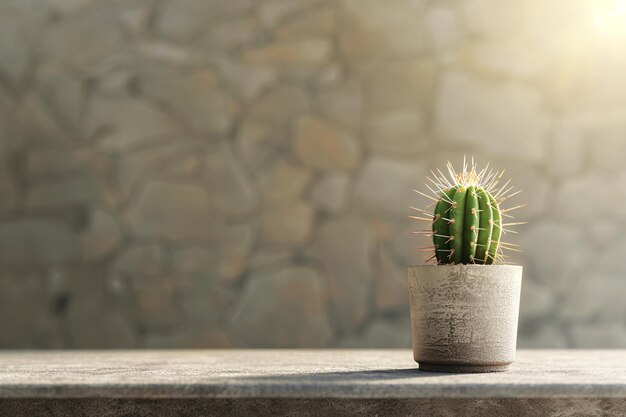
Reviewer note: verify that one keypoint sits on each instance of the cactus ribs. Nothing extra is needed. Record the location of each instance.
(467, 221)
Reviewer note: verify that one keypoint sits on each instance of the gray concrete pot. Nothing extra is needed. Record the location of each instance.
(464, 317)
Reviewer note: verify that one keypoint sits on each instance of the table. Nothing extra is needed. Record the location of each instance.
(304, 382)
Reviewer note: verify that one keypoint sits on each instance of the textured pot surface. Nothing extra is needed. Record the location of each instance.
(464, 317)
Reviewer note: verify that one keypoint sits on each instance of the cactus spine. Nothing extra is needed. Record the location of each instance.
(467, 221)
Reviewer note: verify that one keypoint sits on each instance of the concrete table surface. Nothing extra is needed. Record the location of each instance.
(210, 379)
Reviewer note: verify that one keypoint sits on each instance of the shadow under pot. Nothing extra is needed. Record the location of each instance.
(464, 317)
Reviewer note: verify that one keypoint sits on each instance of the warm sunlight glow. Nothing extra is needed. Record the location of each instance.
(609, 17)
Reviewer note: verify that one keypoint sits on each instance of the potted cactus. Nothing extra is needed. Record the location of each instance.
(464, 306)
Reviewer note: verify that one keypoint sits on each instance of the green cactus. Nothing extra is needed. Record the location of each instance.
(467, 223)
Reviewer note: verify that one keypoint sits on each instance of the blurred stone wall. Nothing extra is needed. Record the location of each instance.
(237, 173)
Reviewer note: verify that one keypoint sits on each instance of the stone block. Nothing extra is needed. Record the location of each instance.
(173, 159)
(287, 225)
(136, 18)
(81, 191)
(383, 29)
(224, 260)
(92, 324)
(229, 188)
(568, 152)
(331, 192)
(606, 146)
(444, 27)
(14, 45)
(343, 245)
(156, 306)
(593, 187)
(595, 292)
(271, 257)
(538, 300)
(596, 295)
(194, 260)
(203, 299)
(173, 211)
(330, 76)
(64, 94)
(599, 336)
(344, 105)
(257, 144)
(405, 243)
(386, 185)
(279, 106)
(292, 53)
(321, 22)
(86, 40)
(323, 146)
(504, 118)
(284, 182)
(232, 33)
(390, 290)
(101, 236)
(400, 84)
(161, 52)
(27, 323)
(493, 17)
(121, 124)
(301, 320)
(542, 334)
(183, 20)
(247, 80)
(139, 260)
(511, 58)
(381, 333)
(273, 12)
(556, 252)
(30, 121)
(536, 192)
(400, 132)
(9, 193)
(35, 242)
(47, 163)
(197, 98)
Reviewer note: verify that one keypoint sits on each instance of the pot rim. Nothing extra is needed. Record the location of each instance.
(469, 266)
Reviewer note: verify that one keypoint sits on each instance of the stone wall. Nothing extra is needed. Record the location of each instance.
(213, 173)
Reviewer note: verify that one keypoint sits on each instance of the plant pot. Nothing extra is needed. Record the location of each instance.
(464, 317)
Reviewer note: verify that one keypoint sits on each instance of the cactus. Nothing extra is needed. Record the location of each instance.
(467, 222)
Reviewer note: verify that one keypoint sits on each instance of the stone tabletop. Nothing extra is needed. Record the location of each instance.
(301, 374)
